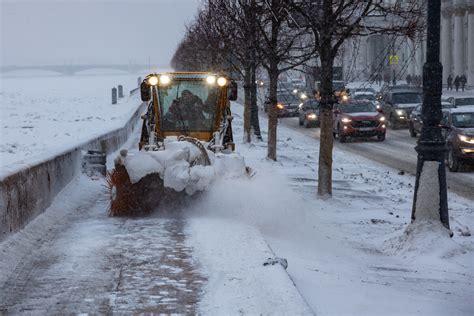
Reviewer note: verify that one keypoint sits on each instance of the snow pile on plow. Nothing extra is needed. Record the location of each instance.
(176, 169)
(142, 180)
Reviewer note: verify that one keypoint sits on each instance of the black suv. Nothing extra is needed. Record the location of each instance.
(458, 126)
(398, 104)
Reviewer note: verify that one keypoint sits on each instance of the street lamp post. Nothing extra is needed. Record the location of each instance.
(431, 147)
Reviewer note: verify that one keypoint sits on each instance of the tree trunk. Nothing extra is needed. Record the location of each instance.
(272, 113)
(326, 140)
(253, 103)
(247, 100)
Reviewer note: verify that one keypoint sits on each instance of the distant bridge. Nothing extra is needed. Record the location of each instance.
(73, 69)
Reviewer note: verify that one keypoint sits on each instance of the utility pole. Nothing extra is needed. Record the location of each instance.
(430, 186)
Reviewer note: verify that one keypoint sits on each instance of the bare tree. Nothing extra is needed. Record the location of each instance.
(222, 38)
(332, 22)
(282, 47)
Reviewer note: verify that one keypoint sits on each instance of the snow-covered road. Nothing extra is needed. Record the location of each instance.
(397, 151)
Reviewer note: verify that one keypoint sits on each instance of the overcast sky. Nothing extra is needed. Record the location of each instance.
(92, 31)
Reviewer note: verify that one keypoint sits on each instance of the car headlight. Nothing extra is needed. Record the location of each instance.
(346, 120)
(303, 96)
(300, 105)
(295, 91)
(312, 116)
(280, 106)
(345, 97)
(466, 139)
(382, 119)
(400, 112)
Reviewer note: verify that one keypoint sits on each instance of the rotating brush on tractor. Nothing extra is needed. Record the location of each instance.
(186, 134)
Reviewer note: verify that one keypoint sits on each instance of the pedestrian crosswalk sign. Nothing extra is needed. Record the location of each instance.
(393, 59)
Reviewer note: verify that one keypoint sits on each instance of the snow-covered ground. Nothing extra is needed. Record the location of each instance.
(349, 255)
(43, 115)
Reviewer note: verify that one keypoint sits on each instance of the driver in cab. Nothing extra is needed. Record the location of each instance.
(188, 107)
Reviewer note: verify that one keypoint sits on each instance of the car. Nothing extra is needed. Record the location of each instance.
(308, 113)
(355, 118)
(458, 129)
(461, 101)
(398, 103)
(416, 122)
(287, 104)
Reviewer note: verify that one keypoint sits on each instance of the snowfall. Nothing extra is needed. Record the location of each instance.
(353, 254)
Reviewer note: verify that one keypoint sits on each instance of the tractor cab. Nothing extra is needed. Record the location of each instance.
(194, 105)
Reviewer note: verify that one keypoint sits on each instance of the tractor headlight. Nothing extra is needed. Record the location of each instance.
(312, 116)
(466, 139)
(221, 81)
(164, 80)
(211, 79)
(153, 80)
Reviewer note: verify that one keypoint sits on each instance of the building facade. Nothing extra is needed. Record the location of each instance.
(365, 57)
(457, 39)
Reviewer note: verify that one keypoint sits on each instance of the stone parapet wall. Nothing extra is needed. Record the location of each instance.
(28, 192)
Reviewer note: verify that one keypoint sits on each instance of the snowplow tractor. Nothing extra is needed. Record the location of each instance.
(186, 139)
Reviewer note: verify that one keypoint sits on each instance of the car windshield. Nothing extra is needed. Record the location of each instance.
(358, 107)
(406, 98)
(285, 86)
(337, 85)
(287, 98)
(446, 105)
(311, 105)
(464, 101)
(188, 105)
(369, 97)
(463, 120)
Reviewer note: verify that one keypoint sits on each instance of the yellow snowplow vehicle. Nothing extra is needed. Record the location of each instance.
(187, 127)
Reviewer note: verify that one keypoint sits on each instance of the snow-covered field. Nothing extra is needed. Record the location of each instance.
(349, 255)
(43, 115)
